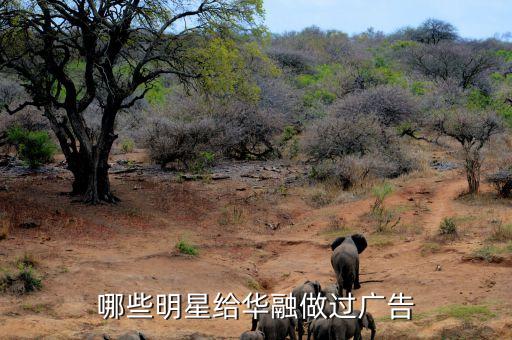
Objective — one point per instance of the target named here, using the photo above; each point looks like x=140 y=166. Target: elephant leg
x=357 y=285
x=300 y=328
x=291 y=332
x=339 y=280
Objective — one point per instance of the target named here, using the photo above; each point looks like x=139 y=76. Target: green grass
x=488 y=252
x=186 y=248
x=501 y=232
x=465 y=312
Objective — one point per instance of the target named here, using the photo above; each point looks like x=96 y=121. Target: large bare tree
x=71 y=55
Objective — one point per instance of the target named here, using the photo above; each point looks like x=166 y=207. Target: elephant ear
x=337 y=242
x=370 y=322
x=360 y=242
x=364 y=321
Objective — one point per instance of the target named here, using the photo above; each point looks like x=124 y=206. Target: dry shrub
x=247 y=133
x=392 y=105
x=170 y=141
x=350 y=151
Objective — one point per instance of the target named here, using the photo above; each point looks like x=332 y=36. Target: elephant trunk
x=254 y=324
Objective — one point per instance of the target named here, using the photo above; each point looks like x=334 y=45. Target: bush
x=34 y=147
x=392 y=105
x=333 y=138
x=24 y=281
x=448 y=227
x=170 y=141
x=345 y=173
x=127 y=145
x=247 y=133
x=502 y=182
x=186 y=248
x=349 y=150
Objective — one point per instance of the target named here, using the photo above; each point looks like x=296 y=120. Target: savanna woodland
x=180 y=146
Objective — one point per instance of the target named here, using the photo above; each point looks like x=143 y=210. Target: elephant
x=312 y=288
x=252 y=335
x=319 y=329
x=345 y=261
x=342 y=328
x=274 y=329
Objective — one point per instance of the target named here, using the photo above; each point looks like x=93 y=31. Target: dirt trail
x=84 y=251
x=442 y=202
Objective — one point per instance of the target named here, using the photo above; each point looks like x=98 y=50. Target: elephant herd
x=345 y=262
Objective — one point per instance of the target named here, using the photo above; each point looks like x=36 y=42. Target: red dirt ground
x=83 y=251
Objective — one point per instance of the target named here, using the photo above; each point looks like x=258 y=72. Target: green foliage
x=186 y=248
x=288 y=133
x=448 y=227
x=24 y=281
x=419 y=88
x=157 y=95
x=322 y=72
x=127 y=145
x=226 y=65
x=477 y=100
x=34 y=147
x=505 y=54
x=402 y=44
x=320 y=95
x=387 y=75
x=205 y=160
x=380 y=192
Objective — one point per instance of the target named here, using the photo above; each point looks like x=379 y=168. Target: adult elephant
x=300 y=294
x=345 y=261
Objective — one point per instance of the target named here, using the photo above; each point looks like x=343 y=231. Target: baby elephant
x=345 y=261
x=274 y=329
x=252 y=335
x=342 y=329
x=307 y=289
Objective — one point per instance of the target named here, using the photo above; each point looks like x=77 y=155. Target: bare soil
x=255 y=229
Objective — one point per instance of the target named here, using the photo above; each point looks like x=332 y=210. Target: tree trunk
x=473 y=173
